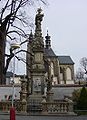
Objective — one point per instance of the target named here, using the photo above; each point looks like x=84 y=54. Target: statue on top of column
x=38 y=19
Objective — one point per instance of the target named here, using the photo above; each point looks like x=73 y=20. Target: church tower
x=47 y=41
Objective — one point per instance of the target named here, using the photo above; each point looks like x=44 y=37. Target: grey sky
x=66 y=21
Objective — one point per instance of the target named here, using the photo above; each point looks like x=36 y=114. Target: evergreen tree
x=82 y=101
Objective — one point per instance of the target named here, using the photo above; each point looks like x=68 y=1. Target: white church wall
x=52 y=69
x=7 y=91
x=61 y=82
x=54 y=82
x=69 y=82
x=16 y=80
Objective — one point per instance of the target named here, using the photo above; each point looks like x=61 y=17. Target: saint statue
x=38 y=19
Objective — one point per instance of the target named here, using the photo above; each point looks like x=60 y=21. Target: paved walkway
x=20 y=117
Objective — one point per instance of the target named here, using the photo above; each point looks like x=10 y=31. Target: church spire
x=47 y=41
x=30 y=36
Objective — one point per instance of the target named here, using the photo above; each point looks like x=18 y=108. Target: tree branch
x=20 y=30
x=4 y=8
x=21 y=59
x=24 y=51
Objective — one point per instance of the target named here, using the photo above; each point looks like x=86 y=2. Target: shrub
x=76 y=94
x=82 y=100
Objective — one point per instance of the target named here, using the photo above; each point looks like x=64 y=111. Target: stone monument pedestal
x=34 y=103
x=50 y=96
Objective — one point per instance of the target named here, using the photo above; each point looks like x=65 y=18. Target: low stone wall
x=19 y=106
x=47 y=107
x=58 y=107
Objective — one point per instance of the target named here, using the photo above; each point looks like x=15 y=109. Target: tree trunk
x=2 y=55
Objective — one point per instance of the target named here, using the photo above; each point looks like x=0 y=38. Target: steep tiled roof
x=62 y=59
x=49 y=52
x=65 y=60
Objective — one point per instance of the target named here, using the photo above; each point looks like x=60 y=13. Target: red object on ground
x=12 y=113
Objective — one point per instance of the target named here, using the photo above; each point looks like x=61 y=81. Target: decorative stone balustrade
x=47 y=107
x=19 y=106
x=57 y=107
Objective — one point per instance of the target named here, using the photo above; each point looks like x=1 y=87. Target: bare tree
x=13 y=21
x=83 y=63
x=79 y=75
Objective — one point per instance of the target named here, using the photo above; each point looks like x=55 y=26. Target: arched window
x=68 y=73
x=61 y=70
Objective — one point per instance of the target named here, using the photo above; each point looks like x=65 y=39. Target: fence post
x=12 y=113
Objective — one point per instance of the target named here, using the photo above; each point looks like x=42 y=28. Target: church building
x=61 y=67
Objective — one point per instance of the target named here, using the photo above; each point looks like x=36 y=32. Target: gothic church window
x=68 y=73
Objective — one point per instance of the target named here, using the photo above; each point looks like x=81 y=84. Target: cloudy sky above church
x=66 y=21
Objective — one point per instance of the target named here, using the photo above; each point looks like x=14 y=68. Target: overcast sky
x=66 y=21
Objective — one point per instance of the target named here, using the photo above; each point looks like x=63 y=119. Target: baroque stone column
x=23 y=94
x=49 y=84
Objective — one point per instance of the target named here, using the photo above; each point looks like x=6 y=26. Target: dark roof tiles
x=65 y=60
x=49 y=52
x=62 y=59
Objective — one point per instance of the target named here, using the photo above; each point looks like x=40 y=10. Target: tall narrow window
x=68 y=73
